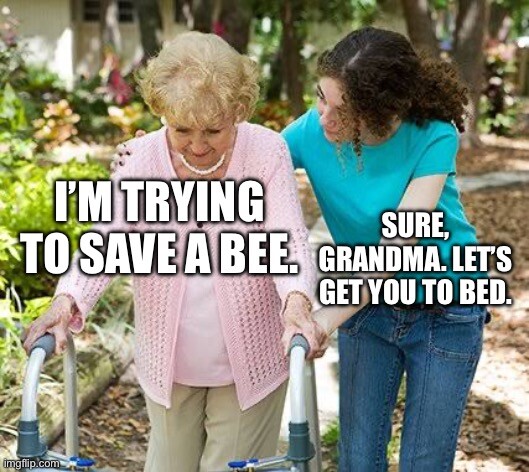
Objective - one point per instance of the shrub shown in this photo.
(12, 111)
(57, 125)
(273, 114)
(498, 110)
(26, 204)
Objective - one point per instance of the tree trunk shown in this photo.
(182, 13)
(292, 41)
(275, 84)
(499, 22)
(390, 16)
(421, 28)
(469, 39)
(234, 20)
(109, 26)
(202, 11)
(150, 22)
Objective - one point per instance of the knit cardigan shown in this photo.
(249, 305)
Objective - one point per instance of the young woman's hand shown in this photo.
(122, 152)
(55, 321)
(298, 320)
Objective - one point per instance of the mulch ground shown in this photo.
(497, 154)
(114, 431)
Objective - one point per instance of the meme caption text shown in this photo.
(121, 245)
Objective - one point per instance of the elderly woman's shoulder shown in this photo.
(266, 151)
(264, 137)
(258, 129)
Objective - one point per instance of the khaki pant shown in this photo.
(205, 428)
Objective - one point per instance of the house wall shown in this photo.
(56, 35)
(87, 44)
(47, 30)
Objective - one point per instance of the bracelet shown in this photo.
(306, 299)
(73, 303)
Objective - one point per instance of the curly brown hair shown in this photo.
(383, 78)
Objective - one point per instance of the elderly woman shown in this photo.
(209, 354)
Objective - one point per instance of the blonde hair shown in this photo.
(198, 80)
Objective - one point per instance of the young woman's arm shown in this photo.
(423, 193)
(284, 214)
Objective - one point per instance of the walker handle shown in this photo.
(46, 342)
(298, 340)
(300, 449)
(29, 444)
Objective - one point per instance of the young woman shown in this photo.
(384, 136)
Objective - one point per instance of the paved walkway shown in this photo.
(492, 179)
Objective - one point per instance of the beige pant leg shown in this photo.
(234, 434)
(177, 437)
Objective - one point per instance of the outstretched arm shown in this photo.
(423, 193)
(296, 290)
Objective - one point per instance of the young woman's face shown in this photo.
(202, 145)
(329, 92)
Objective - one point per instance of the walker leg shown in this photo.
(315, 465)
(71, 426)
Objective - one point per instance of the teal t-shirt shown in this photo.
(353, 201)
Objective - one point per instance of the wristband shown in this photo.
(73, 303)
(306, 299)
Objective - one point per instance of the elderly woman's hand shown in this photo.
(298, 320)
(55, 321)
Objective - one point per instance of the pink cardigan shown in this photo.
(249, 305)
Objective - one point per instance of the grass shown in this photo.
(329, 442)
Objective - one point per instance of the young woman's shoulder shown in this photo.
(435, 129)
(303, 126)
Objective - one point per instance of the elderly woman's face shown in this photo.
(202, 145)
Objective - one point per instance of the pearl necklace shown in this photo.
(207, 171)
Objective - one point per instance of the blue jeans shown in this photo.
(439, 349)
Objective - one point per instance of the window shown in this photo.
(92, 11)
(126, 11)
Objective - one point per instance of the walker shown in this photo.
(30, 447)
(302, 455)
